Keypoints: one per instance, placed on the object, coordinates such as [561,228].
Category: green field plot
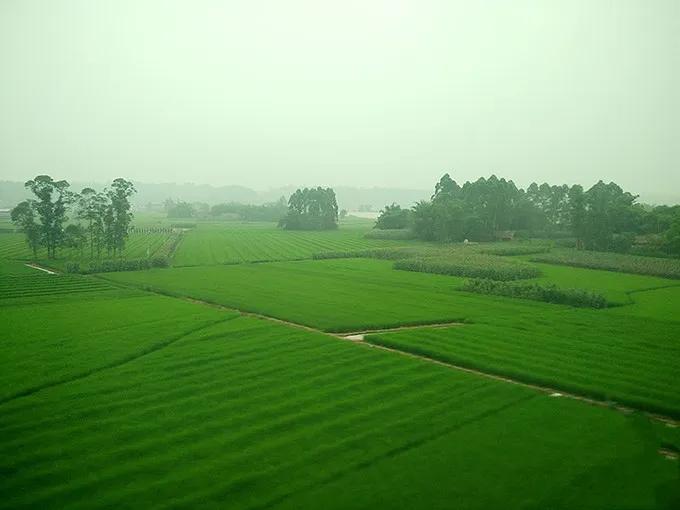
[662,304]
[605,355]
[14,268]
[38,283]
[223,243]
[250,414]
[471,264]
[334,295]
[46,341]
[139,245]
[616,287]
[667,268]
[608,357]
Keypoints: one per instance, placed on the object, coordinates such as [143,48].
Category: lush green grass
[14,268]
[45,342]
[616,287]
[521,470]
[139,245]
[334,295]
[116,398]
[588,351]
[226,243]
[251,414]
[660,304]
[667,268]
[594,353]
[39,283]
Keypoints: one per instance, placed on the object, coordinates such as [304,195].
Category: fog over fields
[340,254]
[380,93]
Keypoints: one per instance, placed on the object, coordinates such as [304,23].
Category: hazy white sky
[385,93]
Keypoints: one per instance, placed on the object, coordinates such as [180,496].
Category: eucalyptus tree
[53,198]
[24,215]
[118,215]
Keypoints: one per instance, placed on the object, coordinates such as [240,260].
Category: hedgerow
[394,234]
[110,266]
[549,293]
[472,265]
[375,253]
[516,249]
[667,268]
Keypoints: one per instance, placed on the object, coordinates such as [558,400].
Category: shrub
[516,249]
[377,253]
[568,242]
[112,266]
[73,267]
[160,262]
[666,268]
[471,265]
[549,293]
[395,234]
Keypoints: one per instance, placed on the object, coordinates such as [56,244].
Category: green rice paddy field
[229,385]
[211,244]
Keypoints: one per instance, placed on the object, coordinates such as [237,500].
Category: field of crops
[133,389]
[13,247]
[46,341]
[250,414]
[623,358]
[211,244]
[333,295]
[666,268]
[472,265]
[42,284]
[628,362]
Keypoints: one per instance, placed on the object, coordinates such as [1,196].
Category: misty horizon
[385,94]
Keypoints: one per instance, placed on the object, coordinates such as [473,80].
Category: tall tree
[53,198]
[118,214]
[91,206]
[24,216]
[577,213]
[446,188]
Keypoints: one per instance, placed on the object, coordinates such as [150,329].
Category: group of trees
[103,218]
[272,211]
[604,217]
[311,209]
[179,209]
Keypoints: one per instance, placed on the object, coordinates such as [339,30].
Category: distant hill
[12,192]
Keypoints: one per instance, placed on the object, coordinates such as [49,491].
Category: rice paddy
[156,389]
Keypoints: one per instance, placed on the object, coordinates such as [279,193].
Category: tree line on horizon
[104,217]
[602,218]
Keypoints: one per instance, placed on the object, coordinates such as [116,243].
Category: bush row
[111,266]
[395,234]
[471,265]
[516,249]
[549,293]
[375,253]
[666,268]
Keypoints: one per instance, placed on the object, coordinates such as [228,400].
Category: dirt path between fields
[553,392]
[358,339]
[359,335]
[40,268]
